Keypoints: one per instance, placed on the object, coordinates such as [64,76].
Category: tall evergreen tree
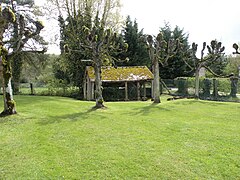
[69,66]
[175,66]
[137,52]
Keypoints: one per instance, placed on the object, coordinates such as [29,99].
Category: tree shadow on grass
[146,110]
[203,102]
[69,117]
[8,118]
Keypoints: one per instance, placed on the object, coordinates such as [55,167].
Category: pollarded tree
[235,46]
[235,79]
[159,52]
[87,36]
[234,64]
[215,54]
[100,44]
[8,18]
[75,19]
[88,30]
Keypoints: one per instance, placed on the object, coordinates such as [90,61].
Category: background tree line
[69,69]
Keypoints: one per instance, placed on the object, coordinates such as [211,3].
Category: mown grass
[61,138]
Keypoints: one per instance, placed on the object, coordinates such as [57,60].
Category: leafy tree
[175,66]
[7,52]
[24,11]
[233,64]
[137,52]
[35,66]
[60,69]
[69,66]
[6,17]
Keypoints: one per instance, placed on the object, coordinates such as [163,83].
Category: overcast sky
[203,20]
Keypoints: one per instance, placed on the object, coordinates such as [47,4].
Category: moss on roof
[131,73]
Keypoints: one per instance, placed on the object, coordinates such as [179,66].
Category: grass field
[61,138]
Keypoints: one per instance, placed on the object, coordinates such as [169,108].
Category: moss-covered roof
[131,73]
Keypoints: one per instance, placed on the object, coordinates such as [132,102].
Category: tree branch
[215,74]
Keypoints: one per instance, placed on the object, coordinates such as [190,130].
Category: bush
[224,85]
[182,85]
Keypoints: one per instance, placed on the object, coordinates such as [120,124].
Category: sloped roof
[122,74]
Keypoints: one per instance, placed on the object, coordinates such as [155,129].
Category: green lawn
[61,138]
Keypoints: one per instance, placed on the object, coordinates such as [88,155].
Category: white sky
[203,20]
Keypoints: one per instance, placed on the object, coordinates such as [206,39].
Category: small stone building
[122,76]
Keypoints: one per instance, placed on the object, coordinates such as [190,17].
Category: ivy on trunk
[7,17]
[9,103]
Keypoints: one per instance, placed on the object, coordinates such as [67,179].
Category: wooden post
[84,89]
[89,89]
[138,91]
[31,88]
[144,90]
[126,91]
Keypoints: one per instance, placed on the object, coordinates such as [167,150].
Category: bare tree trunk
[16,71]
[234,85]
[156,82]
[9,103]
[98,84]
[197,81]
